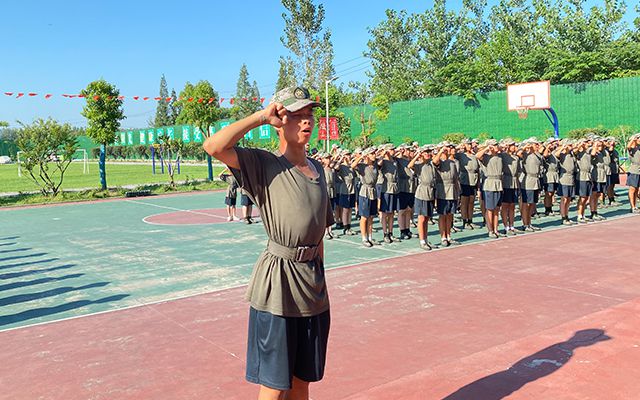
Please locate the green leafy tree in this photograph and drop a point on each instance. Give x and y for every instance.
(247, 97)
(163, 117)
(47, 151)
(103, 110)
(308, 41)
(4, 124)
(201, 108)
(174, 108)
(455, 137)
(286, 74)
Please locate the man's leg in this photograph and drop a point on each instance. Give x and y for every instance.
(299, 390)
(267, 393)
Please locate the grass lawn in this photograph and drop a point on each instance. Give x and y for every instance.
(117, 175)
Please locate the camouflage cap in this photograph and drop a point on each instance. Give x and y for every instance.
(294, 98)
(491, 142)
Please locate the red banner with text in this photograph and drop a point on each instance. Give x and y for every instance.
(333, 128)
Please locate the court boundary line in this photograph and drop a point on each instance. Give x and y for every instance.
(172, 208)
(560, 227)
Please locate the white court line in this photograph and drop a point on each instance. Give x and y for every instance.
(377, 248)
(174, 209)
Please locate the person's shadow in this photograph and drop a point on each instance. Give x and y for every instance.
(545, 362)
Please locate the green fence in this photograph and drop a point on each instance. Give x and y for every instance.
(606, 103)
(8, 149)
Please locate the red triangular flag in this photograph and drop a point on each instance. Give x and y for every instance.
(145, 98)
(157, 98)
(120, 97)
(244, 99)
(255, 99)
(190, 99)
(168, 99)
(32, 94)
(200, 100)
(96, 97)
(317, 98)
(136, 97)
(9, 93)
(210, 100)
(19, 95)
(109, 97)
(232, 100)
(221, 100)
(46, 96)
(80, 95)
(262, 100)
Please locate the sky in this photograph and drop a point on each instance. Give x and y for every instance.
(60, 46)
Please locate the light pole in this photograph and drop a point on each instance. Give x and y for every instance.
(326, 99)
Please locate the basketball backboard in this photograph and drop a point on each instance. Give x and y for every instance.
(529, 96)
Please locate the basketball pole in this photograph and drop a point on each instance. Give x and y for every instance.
(554, 121)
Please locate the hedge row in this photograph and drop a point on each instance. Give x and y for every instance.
(192, 151)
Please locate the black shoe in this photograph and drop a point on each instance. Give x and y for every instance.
(387, 238)
(248, 221)
(445, 243)
(367, 243)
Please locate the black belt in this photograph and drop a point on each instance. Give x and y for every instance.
(298, 254)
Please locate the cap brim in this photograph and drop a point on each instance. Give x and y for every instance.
(300, 104)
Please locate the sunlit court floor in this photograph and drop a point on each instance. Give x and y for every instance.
(143, 298)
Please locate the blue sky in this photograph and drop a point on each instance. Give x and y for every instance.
(60, 46)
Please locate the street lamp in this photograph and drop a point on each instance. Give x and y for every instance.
(326, 99)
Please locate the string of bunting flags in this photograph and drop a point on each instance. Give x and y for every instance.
(209, 100)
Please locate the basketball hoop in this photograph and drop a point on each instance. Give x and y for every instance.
(523, 112)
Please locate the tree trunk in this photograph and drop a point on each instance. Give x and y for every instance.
(103, 171)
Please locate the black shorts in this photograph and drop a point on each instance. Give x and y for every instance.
(405, 200)
(446, 206)
(379, 190)
(347, 200)
(510, 196)
(584, 188)
(367, 207)
(334, 202)
(598, 187)
(467, 190)
(388, 203)
(492, 200)
(230, 201)
(245, 200)
(613, 179)
(550, 187)
(279, 348)
(423, 207)
(528, 196)
(633, 180)
(567, 191)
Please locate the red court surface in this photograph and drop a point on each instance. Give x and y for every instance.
(190, 217)
(485, 321)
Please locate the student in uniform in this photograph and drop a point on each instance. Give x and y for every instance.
(404, 191)
(469, 170)
(492, 190)
(289, 314)
(346, 190)
(389, 196)
(231, 195)
(551, 177)
(511, 170)
(247, 207)
(447, 190)
(583, 185)
(614, 168)
(567, 167)
(366, 168)
(600, 160)
(425, 192)
(329, 173)
(633, 177)
(530, 181)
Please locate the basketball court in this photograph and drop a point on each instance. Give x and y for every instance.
(143, 298)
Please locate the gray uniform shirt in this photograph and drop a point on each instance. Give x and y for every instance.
(600, 164)
(531, 164)
(469, 168)
(551, 175)
(389, 171)
(426, 174)
(330, 176)
(634, 157)
(368, 177)
(492, 167)
(447, 180)
(347, 177)
(232, 189)
(511, 169)
(583, 160)
(404, 175)
(614, 162)
(295, 211)
(567, 169)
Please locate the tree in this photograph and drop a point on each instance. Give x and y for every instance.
(4, 124)
(162, 109)
(201, 108)
(43, 144)
(247, 96)
(104, 112)
(306, 38)
(174, 108)
(286, 74)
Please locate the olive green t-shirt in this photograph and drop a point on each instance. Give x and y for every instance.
(567, 169)
(551, 174)
(634, 157)
(469, 168)
(511, 169)
(583, 159)
(447, 180)
(531, 165)
(330, 176)
(295, 211)
(346, 178)
(368, 175)
(492, 167)
(389, 172)
(232, 189)
(600, 164)
(404, 175)
(426, 174)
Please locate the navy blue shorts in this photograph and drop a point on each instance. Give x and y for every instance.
(245, 200)
(467, 190)
(379, 190)
(334, 202)
(550, 187)
(279, 348)
(347, 200)
(613, 179)
(510, 196)
(492, 200)
(598, 187)
(633, 180)
(423, 207)
(367, 207)
(584, 188)
(388, 203)
(528, 196)
(404, 200)
(230, 201)
(567, 191)
(446, 206)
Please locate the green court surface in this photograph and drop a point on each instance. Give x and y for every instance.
(69, 260)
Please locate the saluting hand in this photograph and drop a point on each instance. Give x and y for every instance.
(275, 115)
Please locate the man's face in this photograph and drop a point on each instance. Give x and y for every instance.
(299, 126)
